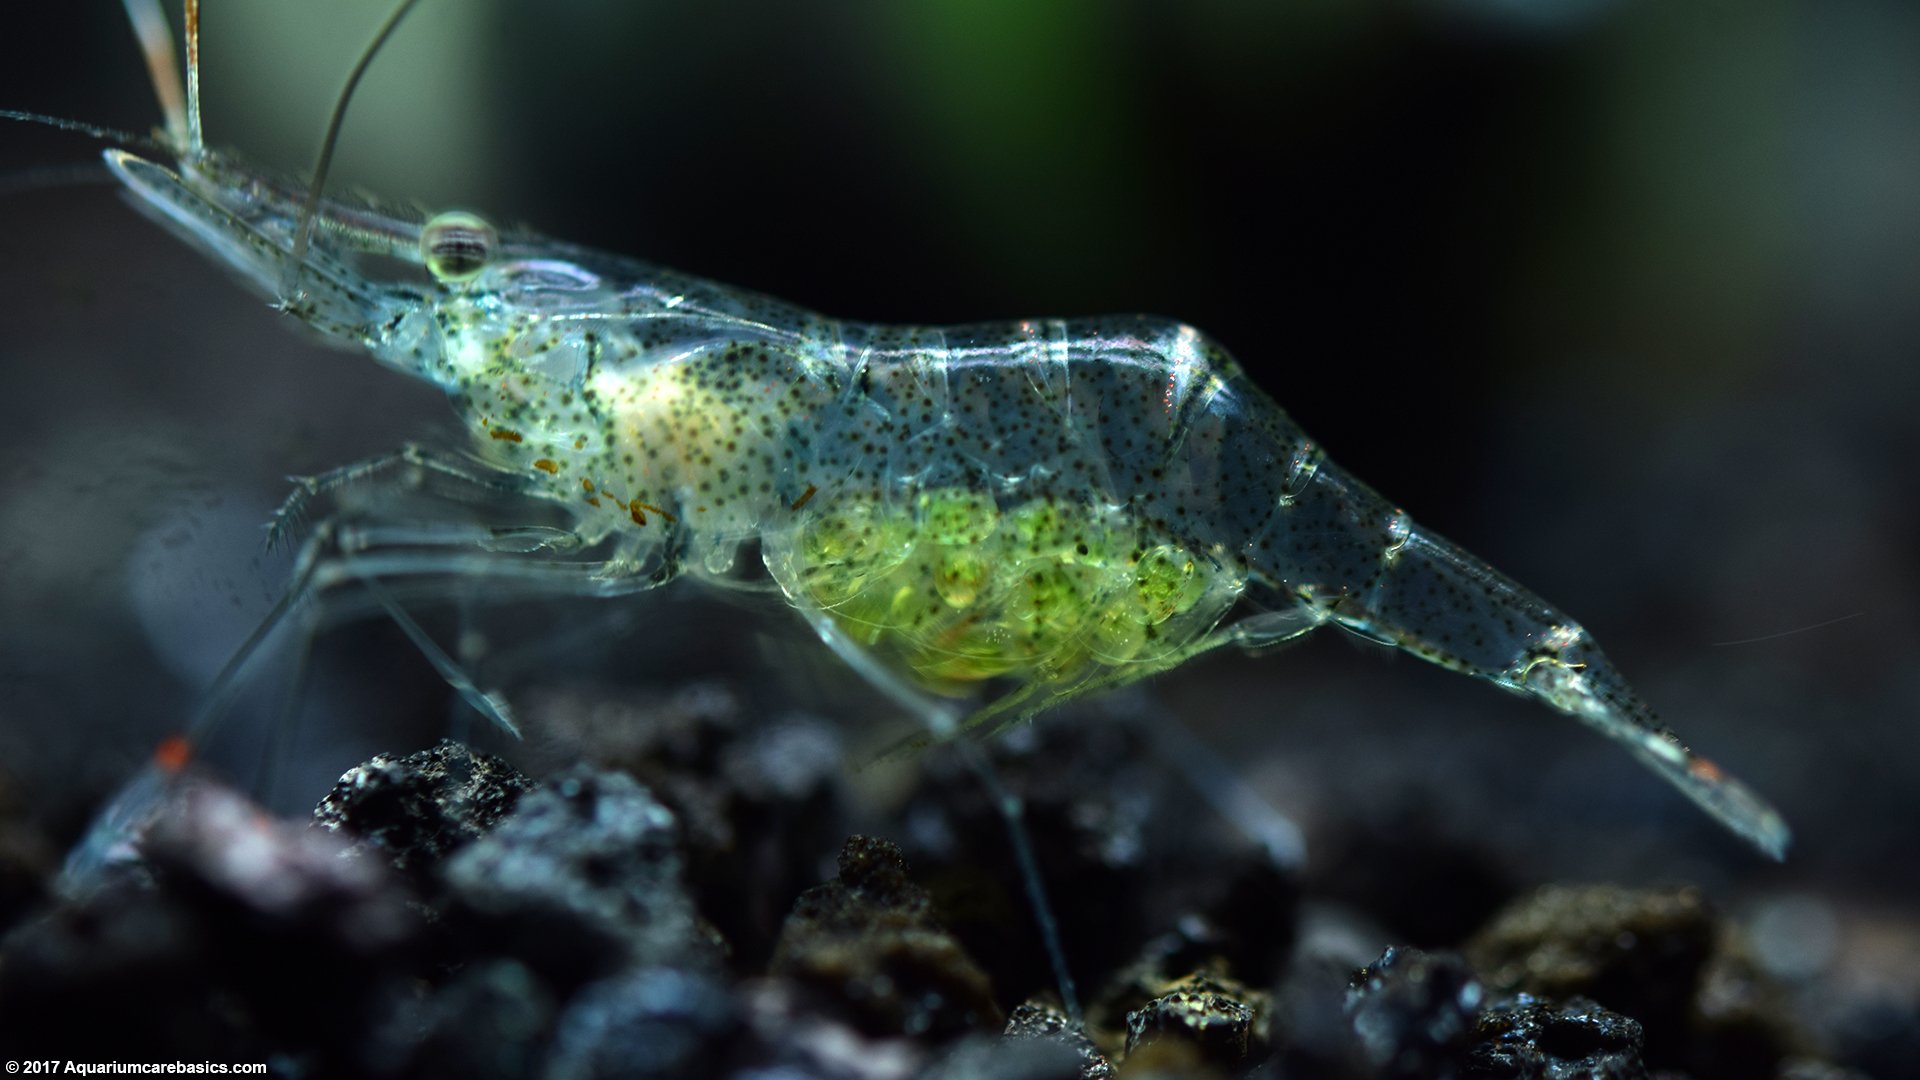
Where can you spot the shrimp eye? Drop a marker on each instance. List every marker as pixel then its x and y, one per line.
pixel 456 246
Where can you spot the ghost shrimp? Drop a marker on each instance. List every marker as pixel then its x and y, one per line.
pixel 1030 510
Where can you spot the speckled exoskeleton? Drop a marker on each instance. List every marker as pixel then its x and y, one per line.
pixel 1042 508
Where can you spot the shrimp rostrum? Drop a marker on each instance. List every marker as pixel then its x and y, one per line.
pixel 1046 507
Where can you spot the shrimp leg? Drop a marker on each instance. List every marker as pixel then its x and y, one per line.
pixel 347 569
pixel 385 560
pixel 419 460
pixel 384 563
pixel 938 721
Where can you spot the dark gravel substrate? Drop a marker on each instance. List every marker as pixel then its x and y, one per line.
pixel 701 910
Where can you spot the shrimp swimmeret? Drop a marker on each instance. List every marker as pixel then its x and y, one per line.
pixel 1056 506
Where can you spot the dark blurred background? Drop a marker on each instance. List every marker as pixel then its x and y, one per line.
pixel 1620 295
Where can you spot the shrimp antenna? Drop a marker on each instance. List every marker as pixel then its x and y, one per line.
pixel 97 131
pixel 301 238
pixel 195 143
pixel 156 44
pixel 182 113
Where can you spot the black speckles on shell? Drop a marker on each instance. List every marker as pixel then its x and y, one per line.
pixel 730 411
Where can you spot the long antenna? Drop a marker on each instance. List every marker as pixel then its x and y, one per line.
pixel 320 168
pixel 156 44
pixel 194 142
pixel 104 134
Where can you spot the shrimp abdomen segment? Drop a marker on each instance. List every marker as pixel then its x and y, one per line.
pixel 1331 543
pixel 1435 600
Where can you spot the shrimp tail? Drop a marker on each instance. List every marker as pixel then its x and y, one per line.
pixel 1339 548
pixel 1581 682
pixel 1434 599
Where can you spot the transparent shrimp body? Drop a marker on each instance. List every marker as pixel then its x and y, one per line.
pixel 1042 507
pixel 919 491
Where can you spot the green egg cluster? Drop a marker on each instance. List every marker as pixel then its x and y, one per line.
pixel 955 588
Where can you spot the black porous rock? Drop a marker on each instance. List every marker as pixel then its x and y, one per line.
pixel 1198 1021
pixel 651 1023
pixel 761 803
pixel 868 942
pixel 989 1057
pixel 1121 841
pixel 490 1021
pixel 1524 1038
pixel 1412 1012
pixel 1741 1022
pixel 565 938
pixel 1249 930
pixel 277 873
pixel 1660 956
pixel 128 950
pixel 789 1036
pixel 1639 951
pixel 419 808
pixel 250 934
pixel 583 879
pixel 1038 1020
pixel 1310 1028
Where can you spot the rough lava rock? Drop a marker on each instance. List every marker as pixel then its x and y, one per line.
pixel 1413 1012
pixel 649 1023
pixel 1214 1023
pixel 251 934
pixel 1122 843
pixel 419 808
pixel 557 932
pixel 1639 951
pixel 869 941
pixel 1660 956
pixel 1524 1038
pixel 1035 1020
pixel 761 804
pixel 582 880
